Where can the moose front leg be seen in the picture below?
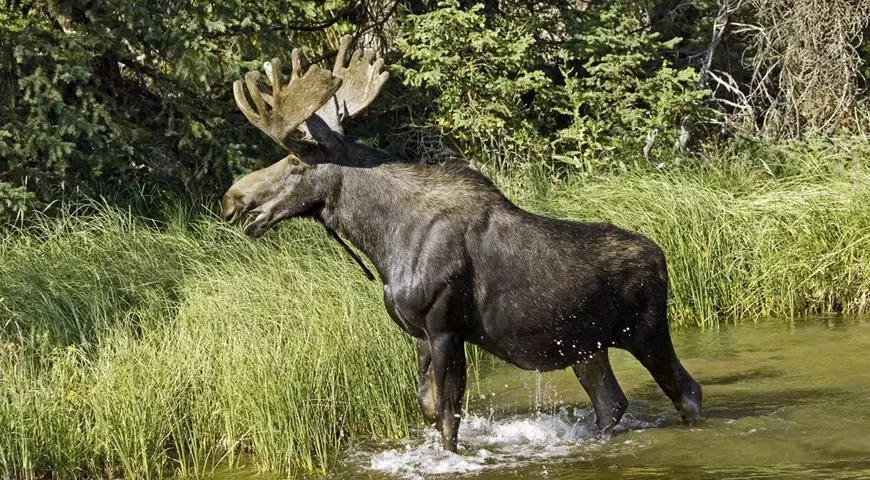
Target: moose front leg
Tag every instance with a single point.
(427, 396)
(448, 367)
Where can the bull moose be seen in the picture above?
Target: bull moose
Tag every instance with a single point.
(459, 261)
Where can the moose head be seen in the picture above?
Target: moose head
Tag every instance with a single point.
(313, 103)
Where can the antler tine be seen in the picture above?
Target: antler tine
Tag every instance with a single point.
(344, 44)
(242, 102)
(288, 105)
(273, 72)
(296, 63)
(362, 80)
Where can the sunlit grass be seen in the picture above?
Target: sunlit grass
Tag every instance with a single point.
(136, 351)
(742, 244)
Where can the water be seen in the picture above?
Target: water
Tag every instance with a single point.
(781, 400)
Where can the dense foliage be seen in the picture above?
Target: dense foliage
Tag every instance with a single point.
(108, 96)
(585, 100)
(105, 97)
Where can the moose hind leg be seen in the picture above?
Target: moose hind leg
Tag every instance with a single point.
(656, 354)
(608, 399)
(427, 393)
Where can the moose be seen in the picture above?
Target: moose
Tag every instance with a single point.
(459, 262)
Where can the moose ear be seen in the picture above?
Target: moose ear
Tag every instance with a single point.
(326, 137)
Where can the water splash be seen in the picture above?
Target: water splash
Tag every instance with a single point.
(486, 443)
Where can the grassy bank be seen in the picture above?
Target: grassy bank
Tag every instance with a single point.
(136, 349)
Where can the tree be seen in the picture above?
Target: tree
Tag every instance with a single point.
(109, 96)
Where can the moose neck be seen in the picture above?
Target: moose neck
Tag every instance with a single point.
(369, 206)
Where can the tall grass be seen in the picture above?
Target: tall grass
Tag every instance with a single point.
(136, 351)
(790, 251)
(784, 235)
(139, 349)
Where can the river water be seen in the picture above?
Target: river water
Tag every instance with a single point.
(781, 400)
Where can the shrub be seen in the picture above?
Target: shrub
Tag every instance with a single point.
(588, 95)
(13, 201)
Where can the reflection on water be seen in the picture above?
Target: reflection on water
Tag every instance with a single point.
(782, 400)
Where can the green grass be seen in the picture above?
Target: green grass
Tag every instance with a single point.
(138, 349)
(743, 242)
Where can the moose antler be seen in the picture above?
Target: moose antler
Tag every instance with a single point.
(290, 104)
(362, 80)
(334, 96)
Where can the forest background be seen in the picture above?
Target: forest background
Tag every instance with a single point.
(104, 98)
